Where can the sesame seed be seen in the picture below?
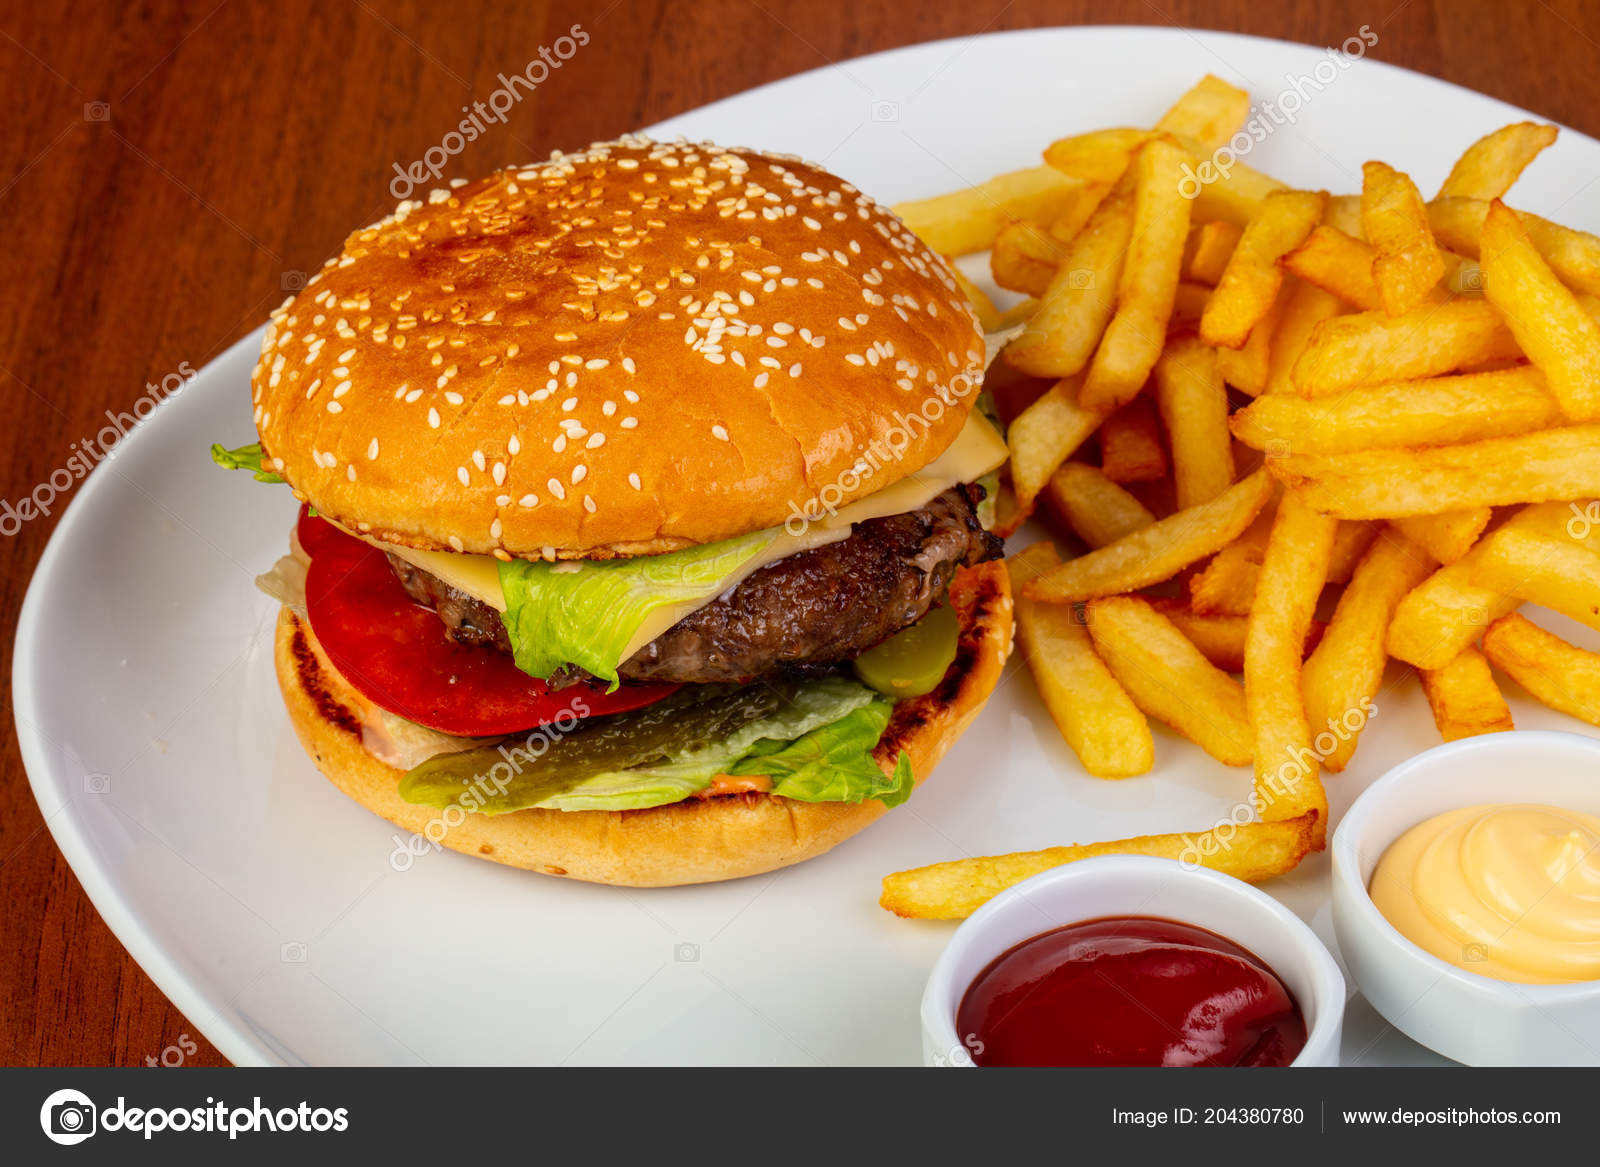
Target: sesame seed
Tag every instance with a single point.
(372, 449)
(633, 481)
(433, 418)
(463, 476)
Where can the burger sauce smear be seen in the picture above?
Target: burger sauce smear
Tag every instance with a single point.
(1130, 991)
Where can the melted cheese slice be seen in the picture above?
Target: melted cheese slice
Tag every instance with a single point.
(977, 450)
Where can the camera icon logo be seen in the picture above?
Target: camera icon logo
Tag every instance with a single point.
(886, 111)
(97, 783)
(1081, 279)
(68, 1117)
(686, 953)
(96, 111)
(1276, 448)
(292, 952)
(1474, 953)
(292, 281)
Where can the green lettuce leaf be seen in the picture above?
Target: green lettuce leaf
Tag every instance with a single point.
(586, 613)
(816, 706)
(834, 763)
(714, 731)
(244, 458)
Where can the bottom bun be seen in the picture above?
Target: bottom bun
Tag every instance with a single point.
(699, 840)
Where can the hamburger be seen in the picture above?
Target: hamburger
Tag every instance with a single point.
(642, 535)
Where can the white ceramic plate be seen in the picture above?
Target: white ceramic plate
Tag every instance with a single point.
(264, 903)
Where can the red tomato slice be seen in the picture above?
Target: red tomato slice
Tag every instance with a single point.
(397, 655)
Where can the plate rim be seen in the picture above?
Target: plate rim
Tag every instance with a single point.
(227, 1028)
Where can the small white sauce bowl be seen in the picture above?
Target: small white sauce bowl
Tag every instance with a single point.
(1132, 885)
(1473, 1019)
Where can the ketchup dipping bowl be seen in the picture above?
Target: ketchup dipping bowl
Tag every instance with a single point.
(1137, 886)
(1471, 1018)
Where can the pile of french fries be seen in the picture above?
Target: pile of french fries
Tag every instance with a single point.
(1255, 406)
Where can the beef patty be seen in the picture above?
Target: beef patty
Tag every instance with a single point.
(800, 614)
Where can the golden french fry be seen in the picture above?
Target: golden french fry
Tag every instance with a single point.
(1344, 214)
(1130, 444)
(1251, 282)
(1008, 516)
(968, 220)
(954, 890)
(1287, 780)
(1560, 675)
(1025, 258)
(1385, 484)
(1159, 551)
(1219, 638)
(1395, 221)
(1448, 535)
(1019, 313)
(1435, 411)
(1081, 297)
(1446, 613)
(1149, 281)
(1573, 255)
(1099, 156)
(1227, 585)
(1305, 307)
(1168, 677)
(1045, 435)
(1369, 347)
(1012, 392)
(1230, 191)
(1096, 509)
(1491, 164)
(1075, 211)
(1555, 572)
(1464, 698)
(988, 315)
(1558, 335)
(1249, 369)
(1188, 306)
(1095, 715)
(1206, 254)
(1194, 409)
(1343, 675)
(1337, 263)
(1210, 113)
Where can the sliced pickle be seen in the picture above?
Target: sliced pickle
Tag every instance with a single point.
(914, 660)
(543, 763)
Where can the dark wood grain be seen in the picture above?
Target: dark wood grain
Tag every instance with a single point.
(239, 142)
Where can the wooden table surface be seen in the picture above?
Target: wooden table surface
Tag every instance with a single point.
(164, 166)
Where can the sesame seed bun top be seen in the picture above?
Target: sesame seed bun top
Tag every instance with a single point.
(619, 352)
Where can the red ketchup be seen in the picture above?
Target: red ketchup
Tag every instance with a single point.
(1130, 992)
